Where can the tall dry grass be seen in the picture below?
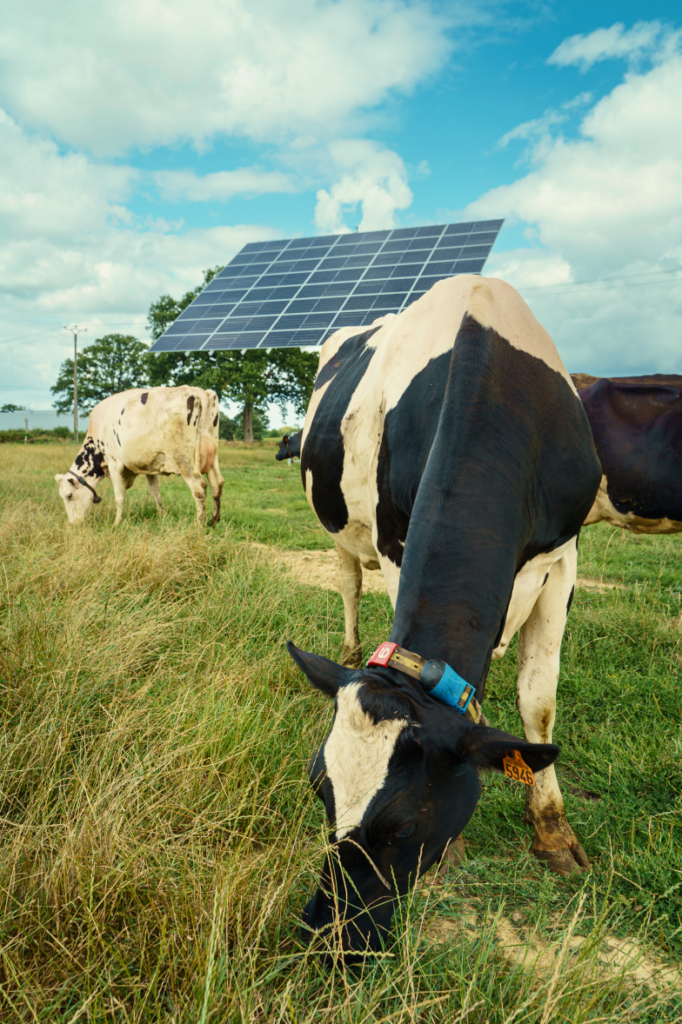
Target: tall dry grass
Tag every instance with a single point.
(157, 833)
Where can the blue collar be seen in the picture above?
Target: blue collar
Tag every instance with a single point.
(435, 676)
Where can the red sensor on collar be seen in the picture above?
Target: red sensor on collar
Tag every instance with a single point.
(383, 654)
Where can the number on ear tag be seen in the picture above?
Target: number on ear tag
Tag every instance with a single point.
(516, 768)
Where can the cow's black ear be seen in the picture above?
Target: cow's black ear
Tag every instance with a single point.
(486, 748)
(324, 674)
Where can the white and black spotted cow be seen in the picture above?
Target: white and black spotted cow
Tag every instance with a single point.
(637, 428)
(150, 432)
(448, 446)
(290, 447)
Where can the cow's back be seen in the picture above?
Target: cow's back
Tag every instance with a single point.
(637, 428)
(159, 429)
(378, 400)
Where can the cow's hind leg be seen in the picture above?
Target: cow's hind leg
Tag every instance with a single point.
(349, 583)
(216, 482)
(197, 486)
(155, 491)
(539, 648)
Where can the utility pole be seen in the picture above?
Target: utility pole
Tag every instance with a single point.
(75, 330)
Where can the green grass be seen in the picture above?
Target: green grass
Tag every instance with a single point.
(157, 833)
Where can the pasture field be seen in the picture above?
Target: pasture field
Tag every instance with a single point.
(158, 836)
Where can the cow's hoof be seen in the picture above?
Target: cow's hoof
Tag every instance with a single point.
(351, 657)
(214, 520)
(564, 862)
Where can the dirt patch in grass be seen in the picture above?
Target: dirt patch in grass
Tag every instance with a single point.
(591, 583)
(606, 956)
(318, 569)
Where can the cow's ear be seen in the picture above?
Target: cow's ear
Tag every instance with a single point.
(59, 477)
(324, 674)
(486, 748)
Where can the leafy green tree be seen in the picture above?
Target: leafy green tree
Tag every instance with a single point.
(11, 407)
(171, 369)
(243, 378)
(233, 429)
(250, 379)
(165, 310)
(113, 363)
(253, 378)
(292, 377)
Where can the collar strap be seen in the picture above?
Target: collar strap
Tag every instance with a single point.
(82, 480)
(435, 676)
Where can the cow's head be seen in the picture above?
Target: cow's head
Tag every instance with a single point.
(77, 497)
(283, 451)
(398, 774)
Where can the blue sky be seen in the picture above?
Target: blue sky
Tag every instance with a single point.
(144, 142)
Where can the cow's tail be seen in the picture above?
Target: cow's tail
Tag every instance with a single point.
(197, 417)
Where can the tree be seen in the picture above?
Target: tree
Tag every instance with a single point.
(171, 369)
(251, 379)
(113, 363)
(292, 376)
(10, 407)
(233, 429)
(165, 310)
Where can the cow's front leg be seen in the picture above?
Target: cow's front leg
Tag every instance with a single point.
(120, 483)
(349, 584)
(539, 648)
(155, 491)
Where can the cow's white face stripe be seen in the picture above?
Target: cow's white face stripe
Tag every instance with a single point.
(356, 757)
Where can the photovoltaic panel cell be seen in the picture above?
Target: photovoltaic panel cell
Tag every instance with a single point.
(299, 291)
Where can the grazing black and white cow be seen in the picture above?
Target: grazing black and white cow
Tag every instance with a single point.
(290, 447)
(637, 428)
(448, 446)
(147, 431)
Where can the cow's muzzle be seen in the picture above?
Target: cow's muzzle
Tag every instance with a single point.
(346, 931)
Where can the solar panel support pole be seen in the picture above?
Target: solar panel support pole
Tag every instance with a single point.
(75, 330)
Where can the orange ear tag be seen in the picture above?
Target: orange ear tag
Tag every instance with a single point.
(516, 768)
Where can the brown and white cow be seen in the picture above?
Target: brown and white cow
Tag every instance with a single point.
(637, 428)
(147, 432)
(448, 446)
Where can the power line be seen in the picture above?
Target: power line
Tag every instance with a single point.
(604, 288)
(614, 277)
(53, 327)
(38, 334)
(550, 290)
(21, 387)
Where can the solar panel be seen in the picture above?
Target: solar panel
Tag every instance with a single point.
(300, 290)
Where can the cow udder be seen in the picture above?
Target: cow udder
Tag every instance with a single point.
(207, 452)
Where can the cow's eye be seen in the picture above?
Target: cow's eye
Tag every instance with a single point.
(405, 833)
(69, 497)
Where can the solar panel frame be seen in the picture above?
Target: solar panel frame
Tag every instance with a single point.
(298, 291)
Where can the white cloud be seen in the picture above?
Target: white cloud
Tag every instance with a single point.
(119, 73)
(606, 44)
(541, 125)
(607, 204)
(371, 176)
(89, 82)
(176, 186)
(43, 193)
(72, 250)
